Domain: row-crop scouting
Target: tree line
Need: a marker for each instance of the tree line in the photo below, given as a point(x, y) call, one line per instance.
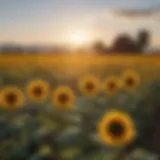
point(124, 43)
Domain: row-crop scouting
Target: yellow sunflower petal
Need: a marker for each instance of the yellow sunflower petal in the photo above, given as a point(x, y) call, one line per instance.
point(111, 85)
point(11, 98)
point(38, 90)
point(89, 86)
point(116, 129)
point(63, 97)
point(130, 80)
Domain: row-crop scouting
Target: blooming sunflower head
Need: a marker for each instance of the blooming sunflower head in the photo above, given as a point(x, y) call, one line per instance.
point(38, 90)
point(63, 97)
point(89, 86)
point(116, 129)
point(111, 85)
point(11, 98)
point(130, 80)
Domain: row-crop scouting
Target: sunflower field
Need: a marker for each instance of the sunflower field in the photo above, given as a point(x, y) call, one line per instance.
point(79, 108)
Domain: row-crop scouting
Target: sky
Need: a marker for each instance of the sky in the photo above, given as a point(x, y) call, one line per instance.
point(65, 21)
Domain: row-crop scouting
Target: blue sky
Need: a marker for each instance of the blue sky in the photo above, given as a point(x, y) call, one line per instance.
point(54, 21)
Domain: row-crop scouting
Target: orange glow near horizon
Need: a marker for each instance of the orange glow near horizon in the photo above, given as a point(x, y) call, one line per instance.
point(78, 38)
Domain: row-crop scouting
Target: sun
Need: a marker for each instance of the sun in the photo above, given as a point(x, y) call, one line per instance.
point(78, 38)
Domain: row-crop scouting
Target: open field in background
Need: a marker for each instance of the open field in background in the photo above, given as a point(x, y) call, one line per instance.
point(78, 59)
point(78, 64)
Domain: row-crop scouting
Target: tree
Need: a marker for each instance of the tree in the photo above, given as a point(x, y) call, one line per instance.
point(143, 40)
point(124, 43)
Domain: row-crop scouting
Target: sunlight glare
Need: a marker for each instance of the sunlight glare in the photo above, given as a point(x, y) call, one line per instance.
point(78, 38)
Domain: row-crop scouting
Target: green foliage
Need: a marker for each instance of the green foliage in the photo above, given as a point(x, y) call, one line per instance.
point(40, 130)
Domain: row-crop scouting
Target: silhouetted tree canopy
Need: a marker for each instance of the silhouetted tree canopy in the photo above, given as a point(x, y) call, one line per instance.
point(124, 43)
point(143, 40)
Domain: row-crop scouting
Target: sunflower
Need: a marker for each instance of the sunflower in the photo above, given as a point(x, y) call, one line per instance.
point(63, 97)
point(11, 98)
point(111, 85)
point(130, 80)
point(116, 129)
point(38, 90)
point(89, 86)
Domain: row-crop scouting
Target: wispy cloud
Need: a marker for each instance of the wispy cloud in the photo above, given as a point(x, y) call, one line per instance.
point(137, 13)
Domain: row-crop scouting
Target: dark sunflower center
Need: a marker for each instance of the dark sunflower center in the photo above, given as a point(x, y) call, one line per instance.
point(90, 86)
point(116, 129)
point(63, 98)
point(111, 86)
point(11, 98)
point(37, 91)
point(130, 81)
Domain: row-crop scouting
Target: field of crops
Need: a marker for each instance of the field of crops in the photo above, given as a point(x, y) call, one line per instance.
point(79, 107)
